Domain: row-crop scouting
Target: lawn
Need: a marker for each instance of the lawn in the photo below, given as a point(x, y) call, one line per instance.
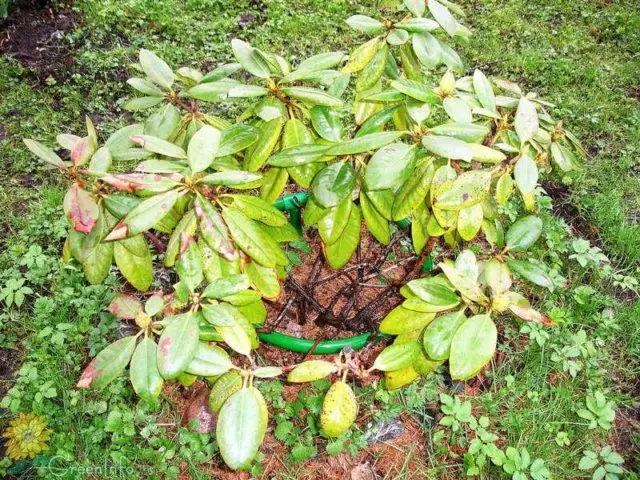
point(60, 61)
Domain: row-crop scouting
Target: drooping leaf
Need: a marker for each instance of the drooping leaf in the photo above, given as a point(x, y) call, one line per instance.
point(427, 49)
point(339, 253)
point(177, 345)
point(312, 96)
point(238, 430)
point(472, 347)
point(362, 55)
point(448, 147)
point(133, 259)
point(213, 229)
point(264, 279)
point(225, 286)
point(311, 370)
point(526, 174)
point(326, 122)
point(365, 143)
point(203, 147)
point(333, 184)
point(209, 360)
point(413, 191)
point(396, 356)
point(401, 320)
point(143, 372)
point(439, 333)
point(145, 215)
point(469, 221)
point(526, 120)
point(108, 364)
point(237, 138)
point(389, 166)
point(376, 223)
point(250, 238)
point(339, 410)
point(530, 271)
point(523, 233)
point(250, 58)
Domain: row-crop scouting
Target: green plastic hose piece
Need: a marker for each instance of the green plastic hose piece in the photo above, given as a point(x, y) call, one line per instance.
point(292, 201)
point(303, 345)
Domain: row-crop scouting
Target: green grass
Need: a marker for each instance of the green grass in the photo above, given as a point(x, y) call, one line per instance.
point(583, 56)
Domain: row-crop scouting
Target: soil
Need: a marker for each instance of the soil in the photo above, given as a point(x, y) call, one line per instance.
point(34, 34)
point(10, 361)
point(319, 303)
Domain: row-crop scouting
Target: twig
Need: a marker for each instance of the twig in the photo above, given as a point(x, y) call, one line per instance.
point(156, 241)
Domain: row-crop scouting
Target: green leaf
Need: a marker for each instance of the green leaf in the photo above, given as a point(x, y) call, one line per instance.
point(249, 237)
point(439, 334)
point(241, 336)
point(258, 209)
point(465, 284)
point(223, 388)
point(416, 7)
point(372, 72)
point(333, 223)
point(376, 223)
point(143, 372)
point(418, 25)
point(396, 356)
point(273, 184)
point(413, 191)
point(427, 50)
point(231, 178)
point(523, 233)
point(562, 157)
point(223, 71)
point(209, 360)
point(213, 229)
point(466, 190)
point(389, 167)
point(311, 370)
point(504, 188)
point(365, 24)
point(326, 122)
point(484, 154)
point(159, 146)
point(417, 90)
point(317, 63)
point(238, 430)
point(467, 132)
point(247, 91)
point(237, 138)
point(484, 91)
point(530, 271)
point(203, 147)
point(225, 286)
point(189, 264)
point(448, 147)
point(472, 347)
point(262, 149)
point(108, 364)
point(365, 143)
point(401, 320)
point(299, 155)
point(250, 58)
point(450, 58)
point(469, 221)
point(333, 184)
point(312, 96)
point(433, 291)
point(526, 120)
point(443, 17)
point(156, 69)
point(44, 153)
point(263, 279)
point(362, 55)
point(525, 174)
point(339, 253)
point(177, 345)
point(457, 109)
point(133, 259)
